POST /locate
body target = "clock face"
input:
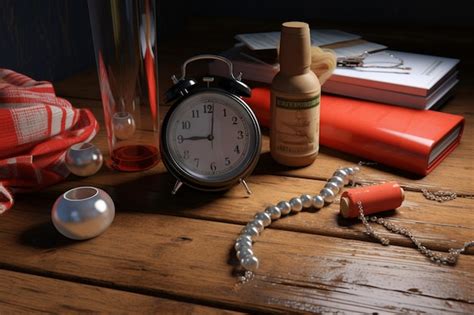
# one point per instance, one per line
(212, 137)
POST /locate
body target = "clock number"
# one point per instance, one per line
(225, 112)
(180, 139)
(236, 149)
(195, 113)
(196, 160)
(227, 161)
(240, 134)
(186, 154)
(213, 166)
(186, 124)
(234, 120)
(208, 108)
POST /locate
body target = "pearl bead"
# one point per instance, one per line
(356, 169)
(83, 159)
(249, 263)
(274, 212)
(339, 181)
(296, 204)
(250, 230)
(284, 207)
(264, 217)
(341, 173)
(241, 244)
(257, 224)
(349, 171)
(244, 251)
(307, 200)
(244, 238)
(327, 194)
(333, 186)
(123, 125)
(318, 202)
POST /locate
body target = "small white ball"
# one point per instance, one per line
(274, 212)
(250, 231)
(327, 194)
(257, 224)
(249, 263)
(318, 202)
(83, 212)
(333, 186)
(244, 251)
(307, 200)
(242, 243)
(296, 204)
(83, 159)
(123, 125)
(339, 181)
(284, 207)
(341, 173)
(264, 217)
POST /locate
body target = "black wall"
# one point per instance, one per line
(50, 39)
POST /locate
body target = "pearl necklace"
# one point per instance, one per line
(243, 244)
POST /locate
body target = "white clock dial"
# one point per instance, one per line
(211, 136)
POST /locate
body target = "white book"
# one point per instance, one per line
(271, 40)
(433, 100)
(425, 74)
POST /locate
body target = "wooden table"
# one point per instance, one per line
(175, 254)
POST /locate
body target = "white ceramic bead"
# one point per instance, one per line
(264, 217)
(318, 202)
(249, 263)
(327, 194)
(83, 159)
(274, 212)
(284, 207)
(307, 200)
(296, 204)
(333, 186)
(123, 125)
(339, 181)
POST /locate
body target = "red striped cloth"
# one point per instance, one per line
(36, 129)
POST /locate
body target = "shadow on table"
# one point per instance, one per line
(45, 236)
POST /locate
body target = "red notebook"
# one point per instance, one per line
(408, 139)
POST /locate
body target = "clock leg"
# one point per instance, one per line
(244, 183)
(177, 186)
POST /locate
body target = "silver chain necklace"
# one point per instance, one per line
(451, 258)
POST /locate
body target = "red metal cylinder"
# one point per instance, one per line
(374, 199)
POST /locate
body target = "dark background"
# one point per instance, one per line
(51, 39)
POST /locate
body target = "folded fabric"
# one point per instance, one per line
(36, 129)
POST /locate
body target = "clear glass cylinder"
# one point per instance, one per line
(124, 35)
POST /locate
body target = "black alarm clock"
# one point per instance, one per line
(210, 138)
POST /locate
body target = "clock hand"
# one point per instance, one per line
(211, 136)
(196, 138)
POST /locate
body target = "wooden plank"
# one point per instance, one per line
(193, 259)
(439, 226)
(24, 293)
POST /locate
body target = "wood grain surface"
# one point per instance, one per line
(193, 259)
(24, 293)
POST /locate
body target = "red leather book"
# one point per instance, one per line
(408, 139)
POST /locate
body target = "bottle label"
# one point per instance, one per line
(297, 126)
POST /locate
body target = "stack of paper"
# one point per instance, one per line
(393, 77)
